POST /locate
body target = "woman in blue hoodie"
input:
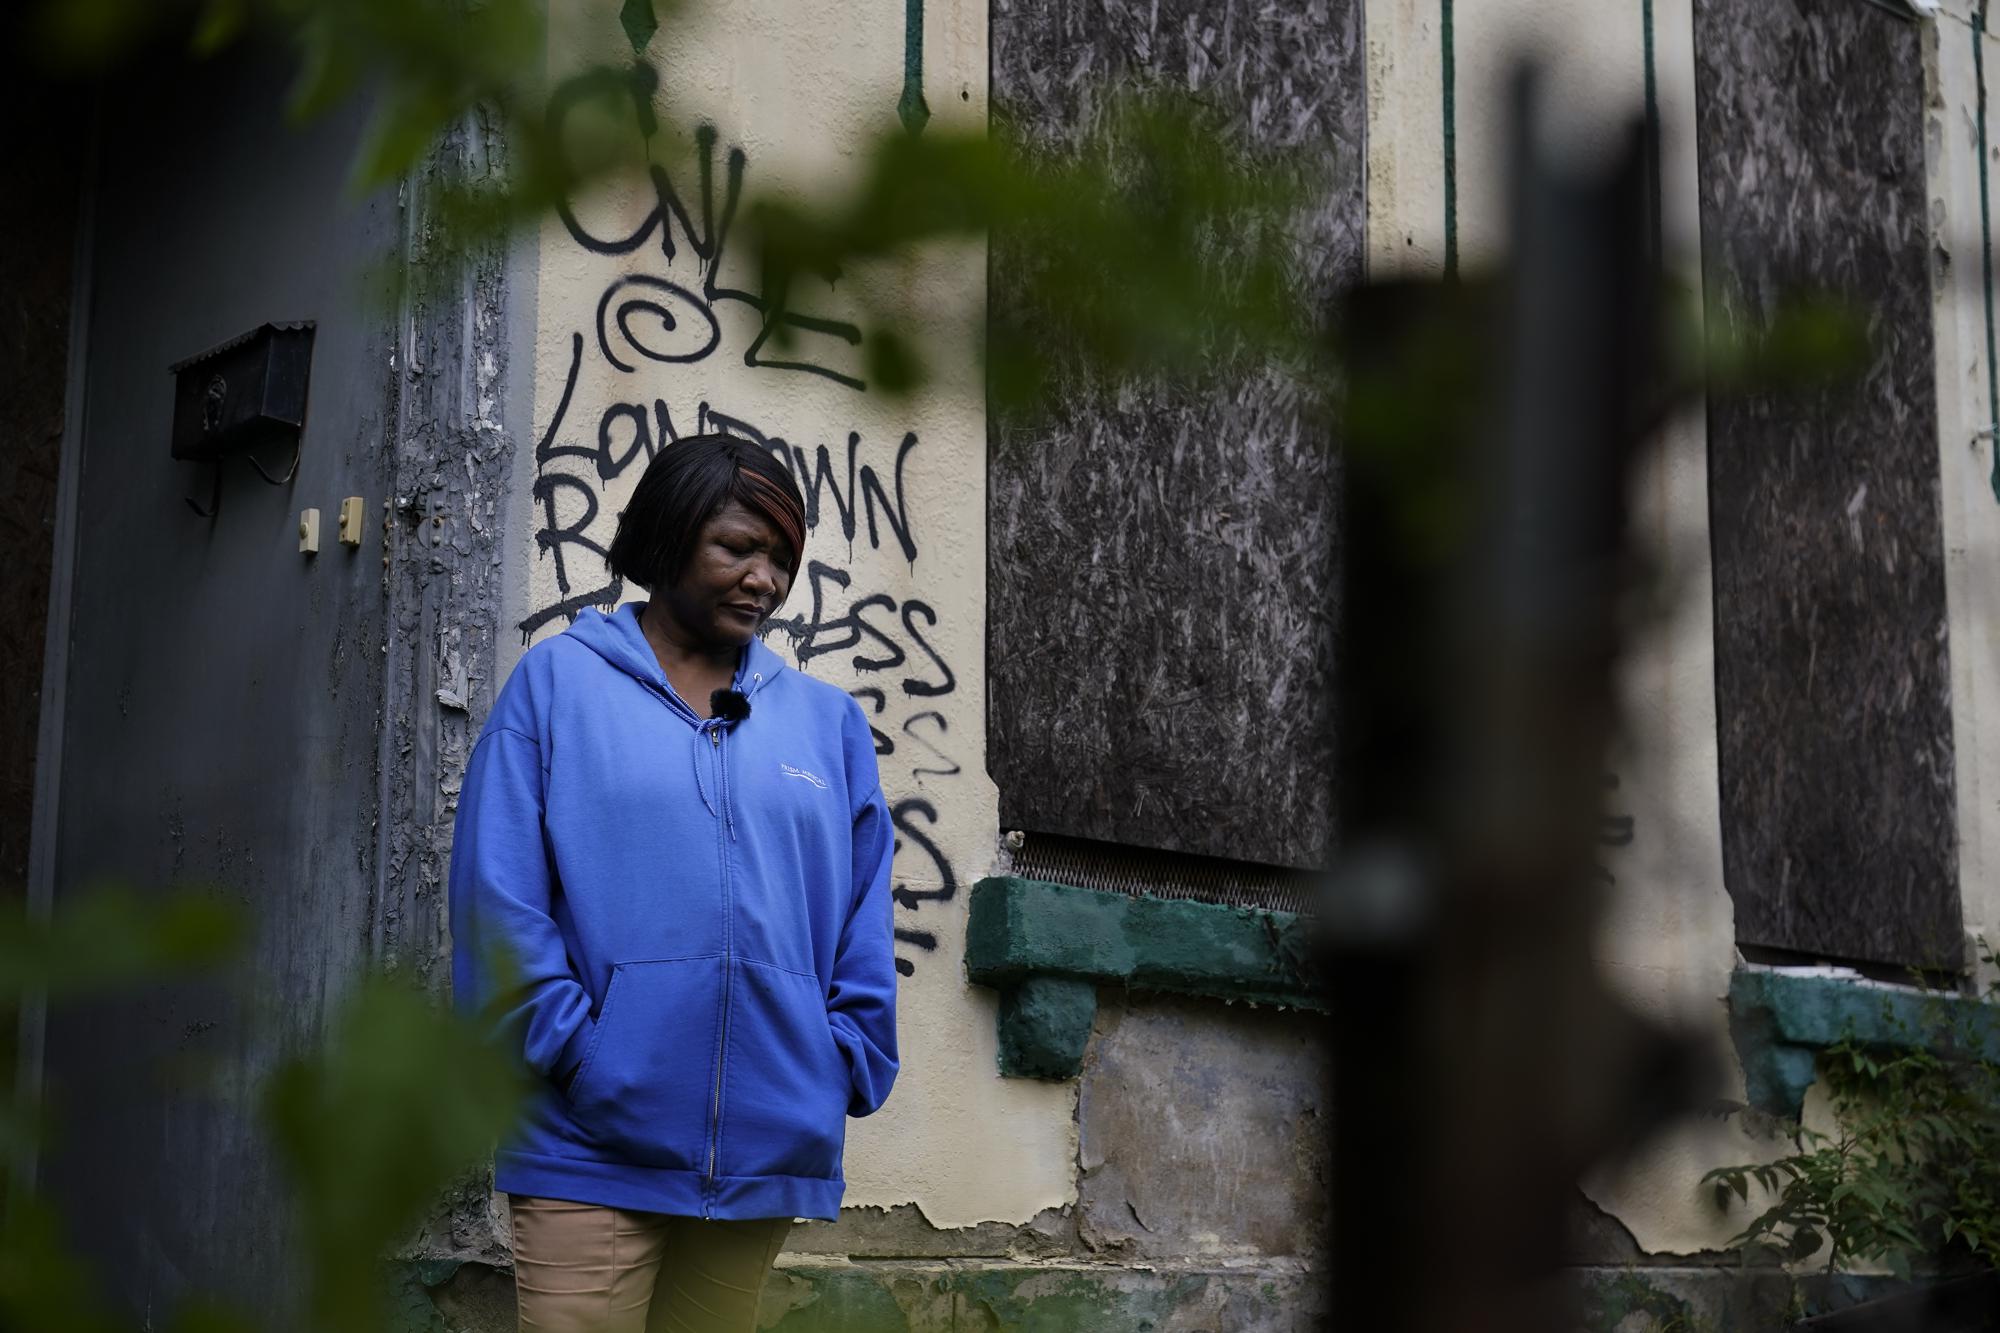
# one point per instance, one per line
(670, 894)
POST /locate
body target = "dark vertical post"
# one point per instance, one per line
(1479, 1064)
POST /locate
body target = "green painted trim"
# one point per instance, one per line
(1044, 1024)
(1655, 232)
(1024, 927)
(911, 108)
(1448, 57)
(1781, 1022)
(1023, 935)
(1986, 251)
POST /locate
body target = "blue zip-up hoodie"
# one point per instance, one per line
(698, 917)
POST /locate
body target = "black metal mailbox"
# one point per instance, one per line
(245, 394)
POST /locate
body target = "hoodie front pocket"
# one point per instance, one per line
(785, 1084)
(645, 1089)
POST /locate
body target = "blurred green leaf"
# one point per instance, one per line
(90, 35)
(1811, 339)
(220, 23)
(111, 935)
(1155, 245)
(43, 1285)
(403, 1098)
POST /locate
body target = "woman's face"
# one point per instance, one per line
(735, 577)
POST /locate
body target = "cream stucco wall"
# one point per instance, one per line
(1965, 457)
(897, 613)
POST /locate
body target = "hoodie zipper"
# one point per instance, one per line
(674, 702)
(728, 954)
(728, 979)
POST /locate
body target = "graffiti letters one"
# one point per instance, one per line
(625, 398)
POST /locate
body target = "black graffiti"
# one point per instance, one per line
(568, 607)
(613, 455)
(834, 328)
(633, 88)
(819, 632)
(894, 517)
(920, 772)
(925, 689)
(812, 480)
(865, 496)
(609, 461)
(878, 701)
(709, 420)
(871, 490)
(694, 333)
(554, 536)
(902, 815)
(547, 448)
(868, 693)
(923, 939)
(609, 458)
(808, 632)
(708, 240)
(627, 434)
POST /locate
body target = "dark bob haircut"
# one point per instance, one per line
(685, 485)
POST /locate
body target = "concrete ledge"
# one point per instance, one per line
(807, 1293)
(1782, 1020)
(817, 1295)
(1046, 947)
(1728, 1299)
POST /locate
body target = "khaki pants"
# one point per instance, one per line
(586, 1268)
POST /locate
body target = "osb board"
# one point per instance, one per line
(1162, 566)
(1832, 680)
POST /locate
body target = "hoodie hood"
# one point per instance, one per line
(620, 640)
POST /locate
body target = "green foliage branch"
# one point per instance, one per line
(372, 1122)
(1909, 1177)
(1155, 243)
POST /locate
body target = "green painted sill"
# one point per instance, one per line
(1781, 1021)
(1047, 947)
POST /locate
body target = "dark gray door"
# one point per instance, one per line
(223, 689)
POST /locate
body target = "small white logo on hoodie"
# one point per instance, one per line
(813, 778)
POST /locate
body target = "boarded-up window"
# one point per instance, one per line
(1161, 571)
(1832, 687)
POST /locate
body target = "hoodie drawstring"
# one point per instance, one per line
(700, 785)
(722, 760)
(715, 731)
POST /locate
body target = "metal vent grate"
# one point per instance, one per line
(1112, 868)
